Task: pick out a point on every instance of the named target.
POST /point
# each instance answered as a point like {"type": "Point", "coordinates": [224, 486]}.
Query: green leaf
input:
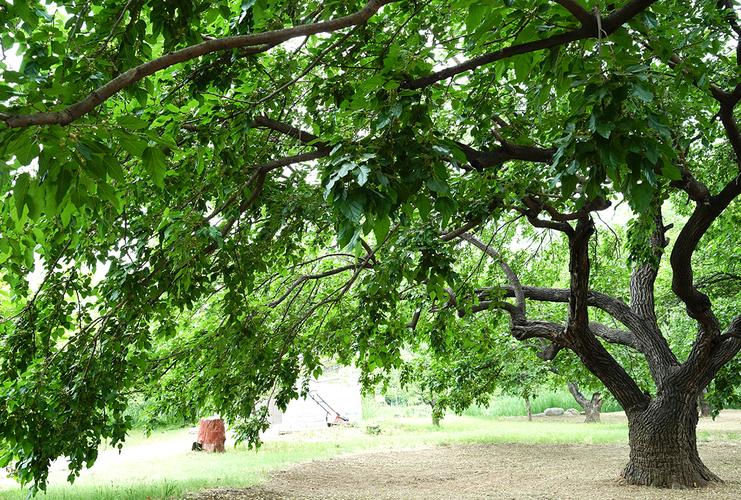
{"type": "Point", "coordinates": [155, 164]}
{"type": "Point", "coordinates": [131, 143]}
{"type": "Point", "coordinates": [130, 121]}
{"type": "Point", "coordinates": [670, 171]}
{"type": "Point", "coordinates": [642, 93]}
{"type": "Point", "coordinates": [446, 206]}
{"type": "Point", "coordinates": [641, 196]}
{"type": "Point", "coordinates": [656, 123]}
{"type": "Point", "coordinates": [352, 208]}
{"type": "Point", "coordinates": [424, 206]}
{"type": "Point", "coordinates": [20, 191]}
{"type": "Point", "coordinates": [603, 128]}
{"type": "Point", "coordinates": [381, 228]}
{"type": "Point", "coordinates": [523, 64]}
{"type": "Point", "coordinates": [476, 13]}
{"type": "Point", "coordinates": [437, 186]}
{"type": "Point", "coordinates": [361, 174]}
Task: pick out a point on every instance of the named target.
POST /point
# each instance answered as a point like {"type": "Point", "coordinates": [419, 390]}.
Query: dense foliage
{"type": "Point", "coordinates": [206, 199]}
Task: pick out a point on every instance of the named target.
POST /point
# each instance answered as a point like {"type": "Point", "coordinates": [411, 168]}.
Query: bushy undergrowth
{"type": "Point", "coordinates": [506, 406]}
{"type": "Point", "coordinates": [143, 417]}
{"type": "Point", "coordinates": [501, 405]}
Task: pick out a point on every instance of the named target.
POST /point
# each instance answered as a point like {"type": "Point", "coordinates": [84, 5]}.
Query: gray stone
{"type": "Point", "coordinates": [571, 413]}
{"type": "Point", "coordinates": [553, 412]}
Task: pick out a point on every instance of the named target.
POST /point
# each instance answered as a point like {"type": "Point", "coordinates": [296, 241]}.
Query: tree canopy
{"type": "Point", "coordinates": [215, 196]}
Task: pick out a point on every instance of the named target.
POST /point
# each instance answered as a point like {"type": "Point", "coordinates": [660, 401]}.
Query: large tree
{"type": "Point", "coordinates": [162, 155]}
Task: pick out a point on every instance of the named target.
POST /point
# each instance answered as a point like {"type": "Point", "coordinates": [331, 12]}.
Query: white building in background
{"type": "Point", "coordinates": [338, 387]}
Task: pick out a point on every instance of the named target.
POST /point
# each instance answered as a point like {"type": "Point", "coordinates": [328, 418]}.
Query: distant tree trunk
{"type": "Point", "coordinates": [435, 419]}
{"type": "Point", "coordinates": [212, 434]}
{"type": "Point", "coordinates": [591, 407]}
{"type": "Point", "coordinates": [529, 409]}
{"type": "Point", "coordinates": [702, 405]}
{"type": "Point", "coordinates": [663, 445]}
{"type": "Point", "coordinates": [435, 415]}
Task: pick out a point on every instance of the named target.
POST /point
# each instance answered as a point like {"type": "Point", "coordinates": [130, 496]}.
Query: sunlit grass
{"type": "Point", "coordinates": [189, 471]}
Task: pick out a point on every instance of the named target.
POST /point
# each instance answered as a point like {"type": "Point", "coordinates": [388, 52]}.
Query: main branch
{"type": "Point", "coordinates": [587, 30]}
{"type": "Point", "coordinates": [259, 42]}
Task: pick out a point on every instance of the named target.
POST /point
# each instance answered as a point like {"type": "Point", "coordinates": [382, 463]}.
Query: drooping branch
{"type": "Point", "coordinates": [455, 233]}
{"type": "Point", "coordinates": [578, 335]}
{"type": "Point", "coordinates": [579, 397]}
{"type": "Point", "coordinates": [534, 210]}
{"type": "Point", "coordinates": [590, 29]}
{"type": "Point", "coordinates": [718, 278]}
{"type": "Point", "coordinates": [531, 329]}
{"type": "Point", "coordinates": [258, 42]}
{"type": "Point", "coordinates": [616, 308]}
{"type": "Point", "coordinates": [656, 350]}
{"type": "Point", "coordinates": [696, 190]}
{"type": "Point", "coordinates": [726, 99]}
{"type": "Point", "coordinates": [522, 328]}
{"type": "Point", "coordinates": [478, 159]}
{"type": "Point", "coordinates": [591, 407]}
{"type": "Point", "coordinates": [317, 276]}
{"type": "Point", "coordinates": [559, 221]}
{"type": "Point", "coordinates": [412, 325]}
{"type": "Point", "coordinates": [611, 305]}
{"type": "Point", "coordinates": [512, 277]}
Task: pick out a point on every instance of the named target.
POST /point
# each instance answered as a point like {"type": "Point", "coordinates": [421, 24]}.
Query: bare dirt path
{"type": "Point", "coordinates": [484, 471]}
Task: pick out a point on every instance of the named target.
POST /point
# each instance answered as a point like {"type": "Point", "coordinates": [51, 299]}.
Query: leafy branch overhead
{"type": "Point", "coordinates": [207, 201]}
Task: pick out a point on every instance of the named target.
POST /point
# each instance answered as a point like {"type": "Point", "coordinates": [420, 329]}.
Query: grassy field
{"type": "Point", "coordinates": [501, 406]}
{"type": "Point", "coordinates": [162, 465]}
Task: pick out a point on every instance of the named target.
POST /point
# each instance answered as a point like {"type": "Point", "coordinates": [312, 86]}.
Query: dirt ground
{"type": "Point", "coordinates": [484, 471]}
{"type": "Point", "coordinates": [491, 471]}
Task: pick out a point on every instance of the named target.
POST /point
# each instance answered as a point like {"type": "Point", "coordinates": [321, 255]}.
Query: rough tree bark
{"type": "Point", "coordinates": [663, 444]}
{"type": "Point", "coordinates": [592, 407]}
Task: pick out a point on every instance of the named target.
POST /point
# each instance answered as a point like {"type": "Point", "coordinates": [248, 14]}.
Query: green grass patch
{"type": "Point", "coordinates": [159, 476]}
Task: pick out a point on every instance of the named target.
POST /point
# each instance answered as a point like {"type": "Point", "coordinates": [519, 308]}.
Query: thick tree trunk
{"type": "Point", "coordinates": [663, 445]}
